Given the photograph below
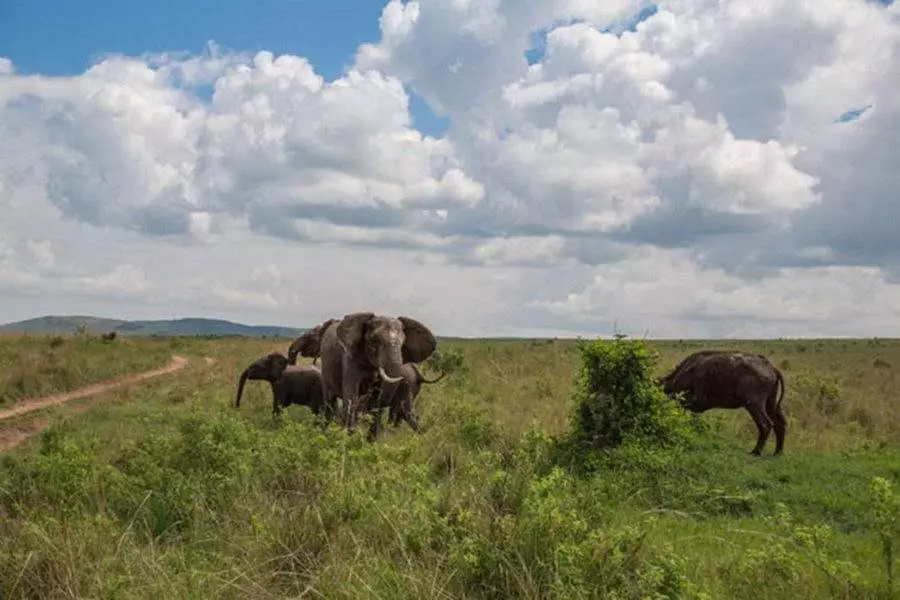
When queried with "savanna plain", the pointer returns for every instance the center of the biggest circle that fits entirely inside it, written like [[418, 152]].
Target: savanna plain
[[164, 489]]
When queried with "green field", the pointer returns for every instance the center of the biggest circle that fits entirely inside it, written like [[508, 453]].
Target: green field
[[41, 365], [166, 490]]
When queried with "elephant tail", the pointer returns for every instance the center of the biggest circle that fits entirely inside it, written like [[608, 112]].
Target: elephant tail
[[240, 389]]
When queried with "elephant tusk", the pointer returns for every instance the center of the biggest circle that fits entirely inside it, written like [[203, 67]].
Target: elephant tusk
[[387, 378]]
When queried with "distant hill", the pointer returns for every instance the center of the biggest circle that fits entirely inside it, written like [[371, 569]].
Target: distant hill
[[173, 327]]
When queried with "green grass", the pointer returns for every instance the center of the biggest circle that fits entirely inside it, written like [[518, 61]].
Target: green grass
[[172, 492], [32, 366]]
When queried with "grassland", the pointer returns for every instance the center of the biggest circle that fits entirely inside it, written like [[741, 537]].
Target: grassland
[[165, 490], [33, 366]]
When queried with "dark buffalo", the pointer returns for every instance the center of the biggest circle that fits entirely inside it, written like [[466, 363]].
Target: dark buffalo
[[731, 379]]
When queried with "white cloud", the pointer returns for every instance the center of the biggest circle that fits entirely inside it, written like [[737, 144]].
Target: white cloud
[[42, 253], [667, 294], [686, 178], [124, 279]]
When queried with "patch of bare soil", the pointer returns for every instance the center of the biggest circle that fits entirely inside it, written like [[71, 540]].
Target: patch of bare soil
[[15, 432]]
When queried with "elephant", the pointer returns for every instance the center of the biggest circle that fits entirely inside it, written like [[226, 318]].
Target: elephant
[[309, 344], [108, 336], [363, 344], [400, 407], [291, 384], [731, 379]]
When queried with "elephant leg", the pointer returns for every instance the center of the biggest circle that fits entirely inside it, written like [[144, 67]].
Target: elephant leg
[[413, 421], [351, 398], [375, 428], [393, 416], [278, 390], [329, 408], [409, 414]]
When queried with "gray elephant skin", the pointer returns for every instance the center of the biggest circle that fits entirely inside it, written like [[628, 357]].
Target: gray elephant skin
[[731, 379], [309, 344], [401, 406], [290, 384], [363, 345]]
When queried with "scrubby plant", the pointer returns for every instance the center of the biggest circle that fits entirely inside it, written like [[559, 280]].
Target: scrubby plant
[[887, 523], [448, 359], [618, 400]]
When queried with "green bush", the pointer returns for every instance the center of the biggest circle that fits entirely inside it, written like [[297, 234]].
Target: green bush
[[618, 400], [447, 359]]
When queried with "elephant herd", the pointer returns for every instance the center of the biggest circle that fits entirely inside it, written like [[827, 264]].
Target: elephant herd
[[371, 361]]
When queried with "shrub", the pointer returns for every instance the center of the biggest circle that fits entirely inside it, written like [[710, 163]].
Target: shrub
[[825, 394], [447, 359], [618, 400]]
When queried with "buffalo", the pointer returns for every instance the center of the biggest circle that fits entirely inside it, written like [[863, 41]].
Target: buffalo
[[732, 379]]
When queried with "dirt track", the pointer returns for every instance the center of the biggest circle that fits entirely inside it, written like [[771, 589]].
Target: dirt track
[[14, 433]]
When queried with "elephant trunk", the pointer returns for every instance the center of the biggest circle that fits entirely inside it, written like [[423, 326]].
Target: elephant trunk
[[422, 378], [241, 383], [390, 370]]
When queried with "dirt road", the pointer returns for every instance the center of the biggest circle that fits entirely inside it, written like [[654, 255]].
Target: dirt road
[[13, 433]]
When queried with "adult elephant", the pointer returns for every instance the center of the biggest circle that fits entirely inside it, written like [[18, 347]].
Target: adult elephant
[[309, 344], [362, 345]]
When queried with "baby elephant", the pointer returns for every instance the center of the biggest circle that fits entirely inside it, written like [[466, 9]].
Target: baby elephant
[[400, 407], [291, 384]]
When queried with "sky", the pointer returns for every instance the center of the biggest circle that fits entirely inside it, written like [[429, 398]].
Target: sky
[[690, 168]]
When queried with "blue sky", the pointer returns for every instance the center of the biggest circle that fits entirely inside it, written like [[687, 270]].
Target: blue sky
[[115, 204], [61, 37]]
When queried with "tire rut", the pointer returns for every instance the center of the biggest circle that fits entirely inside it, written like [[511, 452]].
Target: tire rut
[[13, 433]]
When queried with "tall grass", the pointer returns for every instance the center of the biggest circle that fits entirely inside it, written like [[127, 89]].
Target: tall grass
[[175, 493], [33, 366]]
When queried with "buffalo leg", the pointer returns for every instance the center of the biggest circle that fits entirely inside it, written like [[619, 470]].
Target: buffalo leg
[[763, 426], [779, 422]]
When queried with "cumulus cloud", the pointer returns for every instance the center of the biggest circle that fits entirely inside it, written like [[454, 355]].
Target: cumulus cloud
[[665, 292], [695, 168], [124, 145]]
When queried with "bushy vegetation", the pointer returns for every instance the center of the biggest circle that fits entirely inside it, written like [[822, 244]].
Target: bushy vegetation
[[177, 494], [618, 400]]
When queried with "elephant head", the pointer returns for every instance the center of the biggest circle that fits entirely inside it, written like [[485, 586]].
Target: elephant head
[[268, 368], [309, 344], [385, 343]]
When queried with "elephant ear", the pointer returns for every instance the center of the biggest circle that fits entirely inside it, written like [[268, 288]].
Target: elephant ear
[[310, 343], [277, 364], [351, 328], [420, 342]]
